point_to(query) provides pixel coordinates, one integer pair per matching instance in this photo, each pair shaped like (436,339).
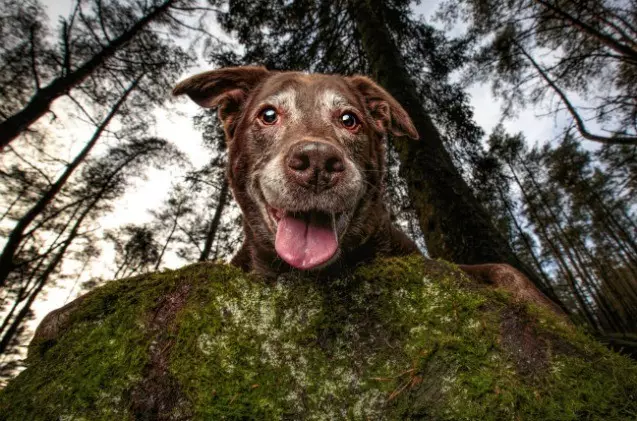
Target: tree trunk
(214,224)
(546,279)
(9,335)
(559,258)
(583,262)
(455,225)
(41,101)
(16,235)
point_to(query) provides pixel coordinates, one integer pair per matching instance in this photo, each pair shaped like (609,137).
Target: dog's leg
(502,275)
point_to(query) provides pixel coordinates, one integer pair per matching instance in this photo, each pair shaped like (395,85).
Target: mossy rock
(399,339)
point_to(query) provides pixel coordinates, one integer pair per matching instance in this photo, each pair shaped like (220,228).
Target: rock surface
(399,339)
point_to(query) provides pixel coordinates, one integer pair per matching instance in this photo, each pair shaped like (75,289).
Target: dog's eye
(349,121)
(269,115)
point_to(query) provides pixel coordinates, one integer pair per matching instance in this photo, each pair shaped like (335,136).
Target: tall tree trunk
(455,225)
(41,101)
(122,267)
(27,288)
(16,235)
(559,258)
(19,319)
(577,252)
(214,224)
(7,318)
(538,265)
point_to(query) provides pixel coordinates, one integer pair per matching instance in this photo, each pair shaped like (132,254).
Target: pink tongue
(305,243)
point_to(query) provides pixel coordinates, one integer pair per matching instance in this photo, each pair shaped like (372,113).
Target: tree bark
(214,224)
(16,235)
(41,101)
(455,225)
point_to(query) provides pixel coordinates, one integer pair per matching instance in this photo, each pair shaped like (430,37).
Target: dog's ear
(226,89)
(389,115)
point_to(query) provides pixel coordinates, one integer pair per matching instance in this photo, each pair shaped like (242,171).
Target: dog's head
(306,155)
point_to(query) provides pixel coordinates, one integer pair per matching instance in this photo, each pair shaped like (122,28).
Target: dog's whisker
(334,225)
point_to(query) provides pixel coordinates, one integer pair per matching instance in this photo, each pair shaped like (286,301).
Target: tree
(211,183)
(16,235)
(24,52)
(214,223)
(168,220)
(101,40)
(136,250)
(590,50)
(102,181)
(577,224)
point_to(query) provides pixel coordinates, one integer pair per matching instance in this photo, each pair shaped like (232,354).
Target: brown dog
(307,159)
(306,166)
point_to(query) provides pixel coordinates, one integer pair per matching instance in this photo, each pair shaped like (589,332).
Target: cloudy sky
(175,124)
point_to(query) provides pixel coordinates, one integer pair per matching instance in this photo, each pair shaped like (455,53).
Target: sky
(175,125)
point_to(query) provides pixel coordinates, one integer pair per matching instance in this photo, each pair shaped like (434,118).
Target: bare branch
(601,37)
(579,122)
(34,69)
(100,15)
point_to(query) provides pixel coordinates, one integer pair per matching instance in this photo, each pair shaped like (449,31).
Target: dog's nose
(315,165)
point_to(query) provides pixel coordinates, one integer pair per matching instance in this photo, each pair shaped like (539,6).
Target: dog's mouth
(307,240)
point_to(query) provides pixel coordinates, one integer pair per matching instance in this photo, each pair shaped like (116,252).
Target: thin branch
(36,168)
(579,122)
(584,27)
(81,107)
(100,15)
(34,69)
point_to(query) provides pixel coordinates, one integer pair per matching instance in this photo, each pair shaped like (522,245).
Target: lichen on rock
(398,339)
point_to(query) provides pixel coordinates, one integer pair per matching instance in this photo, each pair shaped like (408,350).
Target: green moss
(88,370)
(402,338)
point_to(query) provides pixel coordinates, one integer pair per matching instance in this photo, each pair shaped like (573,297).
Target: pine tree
(100,41)
(593,47)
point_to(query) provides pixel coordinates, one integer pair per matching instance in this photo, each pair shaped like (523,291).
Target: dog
(306,166)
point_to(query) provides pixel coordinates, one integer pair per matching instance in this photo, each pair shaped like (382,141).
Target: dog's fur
(309,106)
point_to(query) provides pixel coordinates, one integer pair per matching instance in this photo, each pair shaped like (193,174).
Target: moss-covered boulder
(399,339)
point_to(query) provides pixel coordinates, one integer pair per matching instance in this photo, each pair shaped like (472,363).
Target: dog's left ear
(389,115)
(227,89)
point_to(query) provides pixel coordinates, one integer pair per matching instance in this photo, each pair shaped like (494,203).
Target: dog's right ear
(226,89)
(390,116)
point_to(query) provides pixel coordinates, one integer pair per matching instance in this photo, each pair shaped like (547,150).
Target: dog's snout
(315,165)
